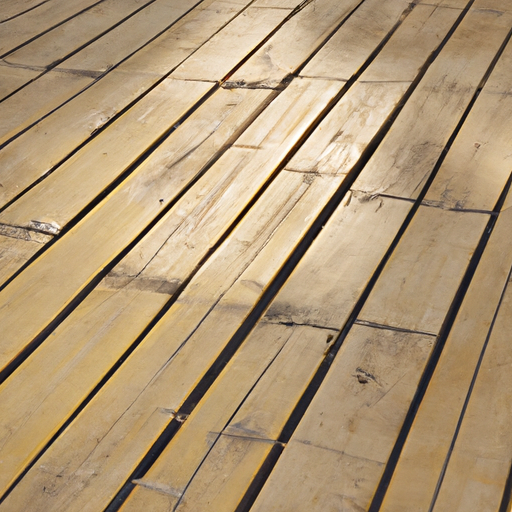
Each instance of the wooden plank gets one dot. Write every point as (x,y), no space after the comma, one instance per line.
(122,216)
(423,273)
(250,27)
(57,199)
(480,463)
(282,359)
(246,260)
(426,122)
(366,105)
(14,77)
(15,251)
(292,44)
(219,483)
(79,30)
(12,8)
(419,466)
(19,30)
(37,99)
(477,166)
(167,51)
(346,52)
(351,425)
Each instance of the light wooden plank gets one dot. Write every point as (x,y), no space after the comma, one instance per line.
(18,30)
(340,263)
(37,99)
(15,251)
(365,107)
(426,122)
(346,51)
(343,135)
(114,223)
(420,463)
(106,318)
(164,53)
(423,273)
(351,425)
(14,77)
(478,164)
(57,199)
(157,361)
(292,44)
(11,8)
(269,345)
(285,358)
(252,26)
(481,460)
(84,27)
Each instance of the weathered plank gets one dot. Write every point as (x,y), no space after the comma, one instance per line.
(162,54)
(346,51)
(293,43)
(423,273)
(419,466)
(84,27)
(351,425)
(12,78)
(19,30)
(12,8)
(57,199)
(366,105)
(283,215)
(284,358)
(426,122)
(343,135)
(16,248)
(251,26)
(479,466)
(478,164)
(114,223)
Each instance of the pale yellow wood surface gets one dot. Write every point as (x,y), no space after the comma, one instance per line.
(18,30)
(12,77)
(347,50)
(251,26)
(421,461)
(425,270)
(285,358)
(336,456)
(37,99)
(106,317)
(185,322)
(365,107)
(426,122)
(15,251)
(348,128)
(56,200)
(66,127)
(340,263)
(482,456)
(78,31)
(12,8)
(293,44)
(478,164)
(164,53)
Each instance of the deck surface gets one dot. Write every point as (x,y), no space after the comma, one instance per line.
(255,255)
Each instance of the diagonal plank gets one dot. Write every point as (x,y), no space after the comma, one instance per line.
(13,8)
(44,17)
(479,466)
(420,464)
(126,212)
(416,139)
(80,30)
